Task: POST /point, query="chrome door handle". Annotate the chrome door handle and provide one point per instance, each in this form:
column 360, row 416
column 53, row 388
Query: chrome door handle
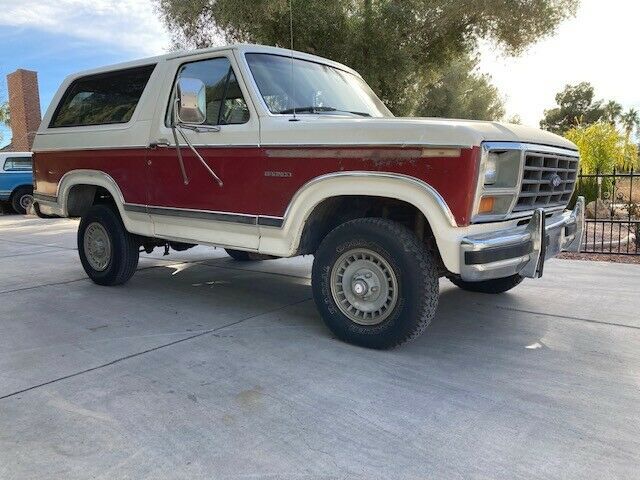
column 161, row 142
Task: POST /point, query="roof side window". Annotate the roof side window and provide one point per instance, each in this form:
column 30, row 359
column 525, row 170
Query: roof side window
column 224, row 100
column 102, row 99
column 17, row 164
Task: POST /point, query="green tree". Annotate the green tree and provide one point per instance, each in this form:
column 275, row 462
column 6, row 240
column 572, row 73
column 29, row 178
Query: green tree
column 396, row 45
column 459, row 91
column 612, row 111
column 630, row 121
column 576, row 106
column 4, row 117
column 602, row 147
column 4, row 114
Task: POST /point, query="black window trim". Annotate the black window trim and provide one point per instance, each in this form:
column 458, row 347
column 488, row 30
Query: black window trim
column 226, row 86
column 106, row 72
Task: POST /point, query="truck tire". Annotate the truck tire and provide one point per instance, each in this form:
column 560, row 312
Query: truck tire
column 496, row 285
column 392, row 292
column 22, row 199
column 242, row 256
column 109, row 254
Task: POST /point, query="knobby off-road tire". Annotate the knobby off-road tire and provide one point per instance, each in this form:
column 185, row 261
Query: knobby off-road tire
column 21, row 199
column 242, row 256
column 497, row 285
column 109, row 254
column 364, row 255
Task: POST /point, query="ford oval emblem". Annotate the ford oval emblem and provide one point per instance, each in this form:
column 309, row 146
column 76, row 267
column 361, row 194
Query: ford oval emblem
column 555, row 180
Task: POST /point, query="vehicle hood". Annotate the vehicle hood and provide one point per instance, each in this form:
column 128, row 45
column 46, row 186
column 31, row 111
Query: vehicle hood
column 499, row 132
column 347, row 130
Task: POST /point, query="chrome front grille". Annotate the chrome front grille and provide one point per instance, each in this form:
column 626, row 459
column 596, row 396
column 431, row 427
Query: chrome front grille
column 547, row 182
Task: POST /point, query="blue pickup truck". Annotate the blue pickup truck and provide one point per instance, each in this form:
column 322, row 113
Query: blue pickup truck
column 16, row 180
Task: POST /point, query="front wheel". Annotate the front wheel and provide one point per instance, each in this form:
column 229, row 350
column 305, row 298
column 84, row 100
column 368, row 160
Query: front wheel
column 22, row 199
column 109, row 254
column 374, row 283
column 496, row 285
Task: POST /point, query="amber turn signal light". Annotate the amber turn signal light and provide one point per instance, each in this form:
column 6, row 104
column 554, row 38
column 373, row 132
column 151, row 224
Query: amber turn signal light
column 486, row 204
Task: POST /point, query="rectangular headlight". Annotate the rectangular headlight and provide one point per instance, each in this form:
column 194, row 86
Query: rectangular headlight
column 502, row 169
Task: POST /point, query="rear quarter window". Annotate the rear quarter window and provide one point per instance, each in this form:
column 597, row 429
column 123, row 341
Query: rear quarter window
column 17, row 164
column 102, row 99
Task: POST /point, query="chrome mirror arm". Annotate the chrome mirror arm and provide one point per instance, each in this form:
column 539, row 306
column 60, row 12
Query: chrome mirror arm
column 174, row 123
column 179, row 127
column 185, row 179
column 200, row 128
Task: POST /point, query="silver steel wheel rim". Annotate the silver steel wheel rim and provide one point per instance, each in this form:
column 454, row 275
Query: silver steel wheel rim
column 26, row 201
column 364, row 286
column 97, row 246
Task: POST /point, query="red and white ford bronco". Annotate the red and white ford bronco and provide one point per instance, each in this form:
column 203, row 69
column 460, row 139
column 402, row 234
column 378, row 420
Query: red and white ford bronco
column 273, row 153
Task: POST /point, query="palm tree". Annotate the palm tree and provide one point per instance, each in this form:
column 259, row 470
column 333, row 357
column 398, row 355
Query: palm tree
column 630, row 121
column 612, row 111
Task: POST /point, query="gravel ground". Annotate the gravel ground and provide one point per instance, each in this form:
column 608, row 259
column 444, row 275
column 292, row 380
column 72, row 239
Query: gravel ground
column 601, row 257
column 607, row 231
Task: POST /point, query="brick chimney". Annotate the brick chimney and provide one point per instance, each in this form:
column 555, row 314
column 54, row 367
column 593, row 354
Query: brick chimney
column 24, row 108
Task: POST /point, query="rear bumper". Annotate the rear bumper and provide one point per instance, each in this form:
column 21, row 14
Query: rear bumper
column 522, row 250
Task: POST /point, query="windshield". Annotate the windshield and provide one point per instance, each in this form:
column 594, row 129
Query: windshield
column 308, row 87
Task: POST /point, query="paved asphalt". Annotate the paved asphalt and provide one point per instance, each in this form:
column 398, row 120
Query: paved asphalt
column 205, row 368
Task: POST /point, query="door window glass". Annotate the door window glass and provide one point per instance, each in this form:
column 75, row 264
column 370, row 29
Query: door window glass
column 224, row 100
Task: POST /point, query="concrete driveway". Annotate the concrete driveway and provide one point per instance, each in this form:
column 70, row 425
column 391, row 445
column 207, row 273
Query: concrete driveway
column 201, row 367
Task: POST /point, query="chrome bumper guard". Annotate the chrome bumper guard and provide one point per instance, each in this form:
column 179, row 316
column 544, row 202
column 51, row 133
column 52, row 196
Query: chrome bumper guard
column 522, row 250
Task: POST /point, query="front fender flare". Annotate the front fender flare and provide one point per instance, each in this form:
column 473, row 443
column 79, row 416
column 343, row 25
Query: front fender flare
column 286, row 240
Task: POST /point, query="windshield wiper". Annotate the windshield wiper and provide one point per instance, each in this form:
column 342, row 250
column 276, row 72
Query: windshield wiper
column 321, row 109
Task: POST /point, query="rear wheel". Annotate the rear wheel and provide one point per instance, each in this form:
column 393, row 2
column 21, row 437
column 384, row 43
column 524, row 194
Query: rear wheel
column 109, row 254
column 22, row 199
column 496, row 285
column 374, row 283
column 242, row 256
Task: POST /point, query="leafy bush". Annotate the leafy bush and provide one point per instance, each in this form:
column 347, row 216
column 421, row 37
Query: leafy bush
column 588, row 188
column 602, row 148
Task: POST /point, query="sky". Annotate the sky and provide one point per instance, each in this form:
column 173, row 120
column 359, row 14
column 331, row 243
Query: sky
column 59, row 37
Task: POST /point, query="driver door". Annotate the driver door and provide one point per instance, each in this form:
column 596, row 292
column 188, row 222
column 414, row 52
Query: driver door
column 194, row 207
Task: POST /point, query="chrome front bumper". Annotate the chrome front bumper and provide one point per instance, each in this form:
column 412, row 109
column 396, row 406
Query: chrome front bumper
column 522, row 250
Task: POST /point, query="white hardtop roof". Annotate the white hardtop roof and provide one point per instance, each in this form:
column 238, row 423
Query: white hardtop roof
column 15, row 154
column 240, row 47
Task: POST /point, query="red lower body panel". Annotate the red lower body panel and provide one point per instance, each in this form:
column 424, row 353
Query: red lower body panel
column 258, row 181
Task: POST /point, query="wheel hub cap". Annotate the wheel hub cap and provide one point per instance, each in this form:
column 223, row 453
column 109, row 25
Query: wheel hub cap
column 26, row 201
column 364, row 286
column 97, row 246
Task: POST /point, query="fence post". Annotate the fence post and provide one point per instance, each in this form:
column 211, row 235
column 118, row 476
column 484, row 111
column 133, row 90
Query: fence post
column 635, row 228
column 595, row 210
column 612, row 207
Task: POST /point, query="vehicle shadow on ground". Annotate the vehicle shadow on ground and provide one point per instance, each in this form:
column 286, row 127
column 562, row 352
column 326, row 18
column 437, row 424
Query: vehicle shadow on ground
column 463, row 318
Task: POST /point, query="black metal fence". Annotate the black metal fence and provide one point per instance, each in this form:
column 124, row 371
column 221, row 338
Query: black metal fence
column 612, row 224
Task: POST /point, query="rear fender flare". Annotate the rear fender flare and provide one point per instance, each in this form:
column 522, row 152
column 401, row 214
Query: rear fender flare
column 87, row 177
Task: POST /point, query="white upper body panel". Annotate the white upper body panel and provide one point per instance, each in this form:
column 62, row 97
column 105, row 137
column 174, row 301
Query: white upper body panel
column 276, row 129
